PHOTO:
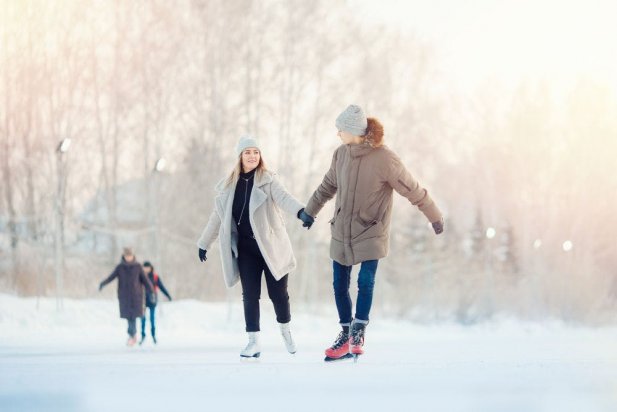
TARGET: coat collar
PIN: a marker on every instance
(258, 196)
(125, 263)
(359, 150)
(221, 187)
(265, 178)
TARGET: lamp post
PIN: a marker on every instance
(488, 268)
(61, 150)
(538, 285)
(159, 166)
(567, 303)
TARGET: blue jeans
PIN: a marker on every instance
(366, 284)
(143, 321)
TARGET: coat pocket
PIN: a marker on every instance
(335, 215)
(333, 228)
(278, 220)
(373, 229)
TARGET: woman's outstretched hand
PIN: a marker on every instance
(307, 220)
(438, 226)
(202, 255)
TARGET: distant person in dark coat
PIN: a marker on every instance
(152, 300)
(131, 283)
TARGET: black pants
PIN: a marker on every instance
(132, 327)
(251, 264)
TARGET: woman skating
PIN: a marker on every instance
(363, 175)
(252, 237)
(131, 284)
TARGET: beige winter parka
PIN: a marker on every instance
(362, 178)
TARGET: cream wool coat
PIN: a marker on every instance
(268, 198)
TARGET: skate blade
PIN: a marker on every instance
(254, 358)
(344, 357)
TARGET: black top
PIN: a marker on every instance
(152, 298)
(240, 207)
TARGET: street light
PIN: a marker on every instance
(490, 233)
(160, 165)
(567, 246)
(64, 146)
(537, 244)
(61, 150)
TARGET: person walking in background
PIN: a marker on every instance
(252, 237)
(362, 175)
(152, 300)
(131, 283)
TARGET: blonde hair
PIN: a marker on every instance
(235, 173)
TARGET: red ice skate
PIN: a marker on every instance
(356, 340)
(339, 349)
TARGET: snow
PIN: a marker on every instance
(75, 360)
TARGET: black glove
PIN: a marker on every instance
(169, 298)
(438, 226)
(100, 287)
(307, 220)
(202, 255)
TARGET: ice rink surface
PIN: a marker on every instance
(75, 360)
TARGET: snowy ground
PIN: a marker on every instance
(75, 361)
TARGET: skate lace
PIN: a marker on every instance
(357, 337)
(341, 339)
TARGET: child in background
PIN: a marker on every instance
(152, 300)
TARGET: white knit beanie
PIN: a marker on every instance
(352, 120)
(244, 143)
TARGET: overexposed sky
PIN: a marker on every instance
(510, 40)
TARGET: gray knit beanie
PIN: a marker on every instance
(244, 143)
(352, 120)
